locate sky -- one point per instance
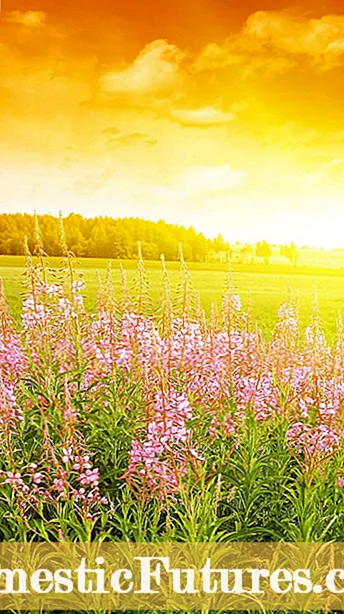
(224, 115)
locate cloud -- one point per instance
(111, 131)
(156, 70)
(30, 19)
(205, 117)
(131, 139)
(277, 40)
(211, 179)
(324, 173)
(317, 38)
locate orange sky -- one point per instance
(224, 115)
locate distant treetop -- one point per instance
(106, 237)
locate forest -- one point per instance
(106, 237)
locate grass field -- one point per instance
(122, 427)
(268, 286)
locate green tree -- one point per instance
(291, 253)
(263, 250)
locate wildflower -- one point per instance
(14, 479)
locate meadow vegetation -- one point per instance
(145, 417)
(262, 289)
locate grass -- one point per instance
(246, 437)
(265, 287)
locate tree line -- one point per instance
(263, 251)
(105, 237)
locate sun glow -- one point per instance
(238, 132)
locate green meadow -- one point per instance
(264, 287)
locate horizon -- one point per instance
(224, 118)
(232, 243)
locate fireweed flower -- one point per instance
(160, 461)
(62, 363)
(313, 441)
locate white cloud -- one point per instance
(30, 19)
(156, 70)
(276, 40)
(322, 173)
(298, 35)
(204, 117)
